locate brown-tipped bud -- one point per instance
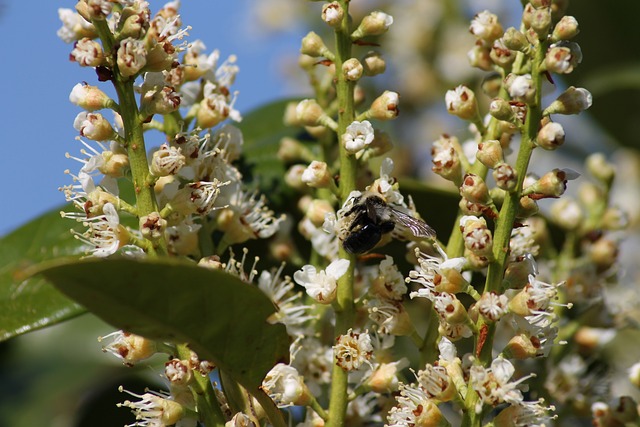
(152, 226)
(600, 168)
(373, 64)
(527, 207)
(567, 213)
(312, 45)
(477, 237)
(603, 253)
(90, 97)
(522, 346)
(293, 177)
(490, 152)
(521, 87)
(461, 102)
(527, 15)
(571, 101)
(474, 189)
(550, 136)
(93, 126)
(541, 22)
(565, 29)
(476, 262)
(562, 59)
(446, 161)
(352, 69)
(317, 175)
(501, 110)
(505, 177)
(385, 107)
(486, 27)
(552, 184)
(163, 101)
(515, 40)
(374, 24)
(480, 56)
(309, 112)
(332, 14)
(501, 55)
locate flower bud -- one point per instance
(480, 56)
(490, 152)
(316, 210)
(491, 85)
(166, 161)
(518, 271)
(550, 136)
(552, 184)
(603, 253)
(317, 175)
(384, 379)
(541, 22)
(352, 69)
(87, 53)
(332, 14)
(505, 177)
(293, 177)
(89, 97)
(527, 207)
(571, 101)
(385, 107)
(485, 26)
(598, 166)
(492, 306)
(373, 64)
(461, 102)
(312, 45)
(129, 347)
(292, 150)
(93, 126)
(501, 110)
(527, 14)
(178, 372)
(567, 213)
(474, 189)
(162, 101)
(562, 59)
(290, 116)
(309, 112)
(501, 55)
(94, 10)
(515, 40)
(520, 88)
(152, 226)
(565, 29)
(374, 24)
(446, 161)
(522, 346)
(477, 237)
(161, 57)
(589, 194)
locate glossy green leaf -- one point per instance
(221, 317)
(27, 305)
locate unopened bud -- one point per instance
(562, 59)
(293, 177)
(385, 107)
(477, 237)
(571, 101)
(541, 22)
(565, 29)
(480, 56)
(89, 97)
(527, 207)
(490, 152)
(501, 110)
(312, 45)
(373, 64)
(552, 184)
(162, 101)
(550, 136)
(309, 112)
(567, 213)
(485, 26)
(292, 150)
(332, 14)
(527, 14)
(461, 102)
(93, 126)
(374, 24)
(515, 40)
(317, 175)
(603, 253)
(384, 379)
(352, 69)
(316, 210)
(505, 177)
(501, 55)
(152, 226)
(446, 161)
(600, 168)
(474, 189)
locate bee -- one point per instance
(371, 217)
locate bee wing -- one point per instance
(418, 227)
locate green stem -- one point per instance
(209, 412)
(343, 305)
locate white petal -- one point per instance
(337, 268)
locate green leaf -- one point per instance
(31, 304)
(221, 317)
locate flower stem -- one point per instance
(343, 305)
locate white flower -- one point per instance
(129, 347)
(322, 285)
(285, 386)
(153, 410)
(493, 384)
(352, 350)
(132, 56)
(521, 86)
(357, 136)
(74, 27)
(492, 306)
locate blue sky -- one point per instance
(37, 78)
